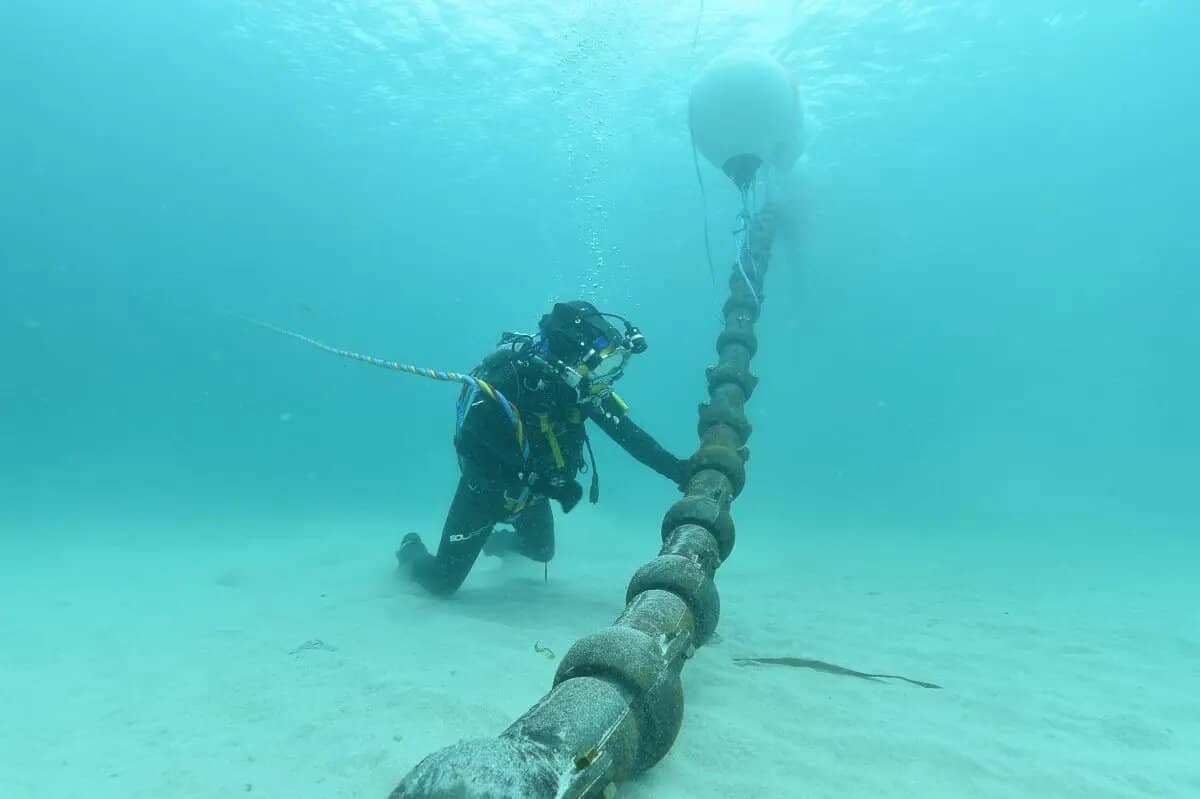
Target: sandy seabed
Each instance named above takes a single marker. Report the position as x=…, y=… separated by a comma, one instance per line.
x=275, y=660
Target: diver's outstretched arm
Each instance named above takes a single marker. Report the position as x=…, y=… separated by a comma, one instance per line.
x=641, y=445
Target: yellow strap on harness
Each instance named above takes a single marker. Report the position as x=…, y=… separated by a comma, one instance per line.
x=548, y=430
x=575, y=417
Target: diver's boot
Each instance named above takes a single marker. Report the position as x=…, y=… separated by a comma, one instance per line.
x=501, y=542
x=410, y=547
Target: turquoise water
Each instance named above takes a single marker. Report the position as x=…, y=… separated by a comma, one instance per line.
x=990, y=315
x=985, y=324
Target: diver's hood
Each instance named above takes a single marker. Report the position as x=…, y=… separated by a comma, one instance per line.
x=572, y=330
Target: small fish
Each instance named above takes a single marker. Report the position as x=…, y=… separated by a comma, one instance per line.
x=830, y=668
x=544, y=651
x=313, y=645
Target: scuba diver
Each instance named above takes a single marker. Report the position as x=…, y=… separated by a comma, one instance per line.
x=523, y=448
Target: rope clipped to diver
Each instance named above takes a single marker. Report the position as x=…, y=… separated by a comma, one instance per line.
x=473, y=383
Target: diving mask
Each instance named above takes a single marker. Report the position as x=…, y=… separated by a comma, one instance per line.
x=605, y=365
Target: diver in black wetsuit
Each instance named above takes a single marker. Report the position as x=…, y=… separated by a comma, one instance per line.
x=557, y=380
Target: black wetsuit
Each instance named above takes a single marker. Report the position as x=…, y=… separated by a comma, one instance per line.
x=494, y=473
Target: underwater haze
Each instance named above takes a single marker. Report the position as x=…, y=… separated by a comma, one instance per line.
x=975, y=448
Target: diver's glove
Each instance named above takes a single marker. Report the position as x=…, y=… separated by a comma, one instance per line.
x=681, y=473
x=570, y=495
x=568, y=492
